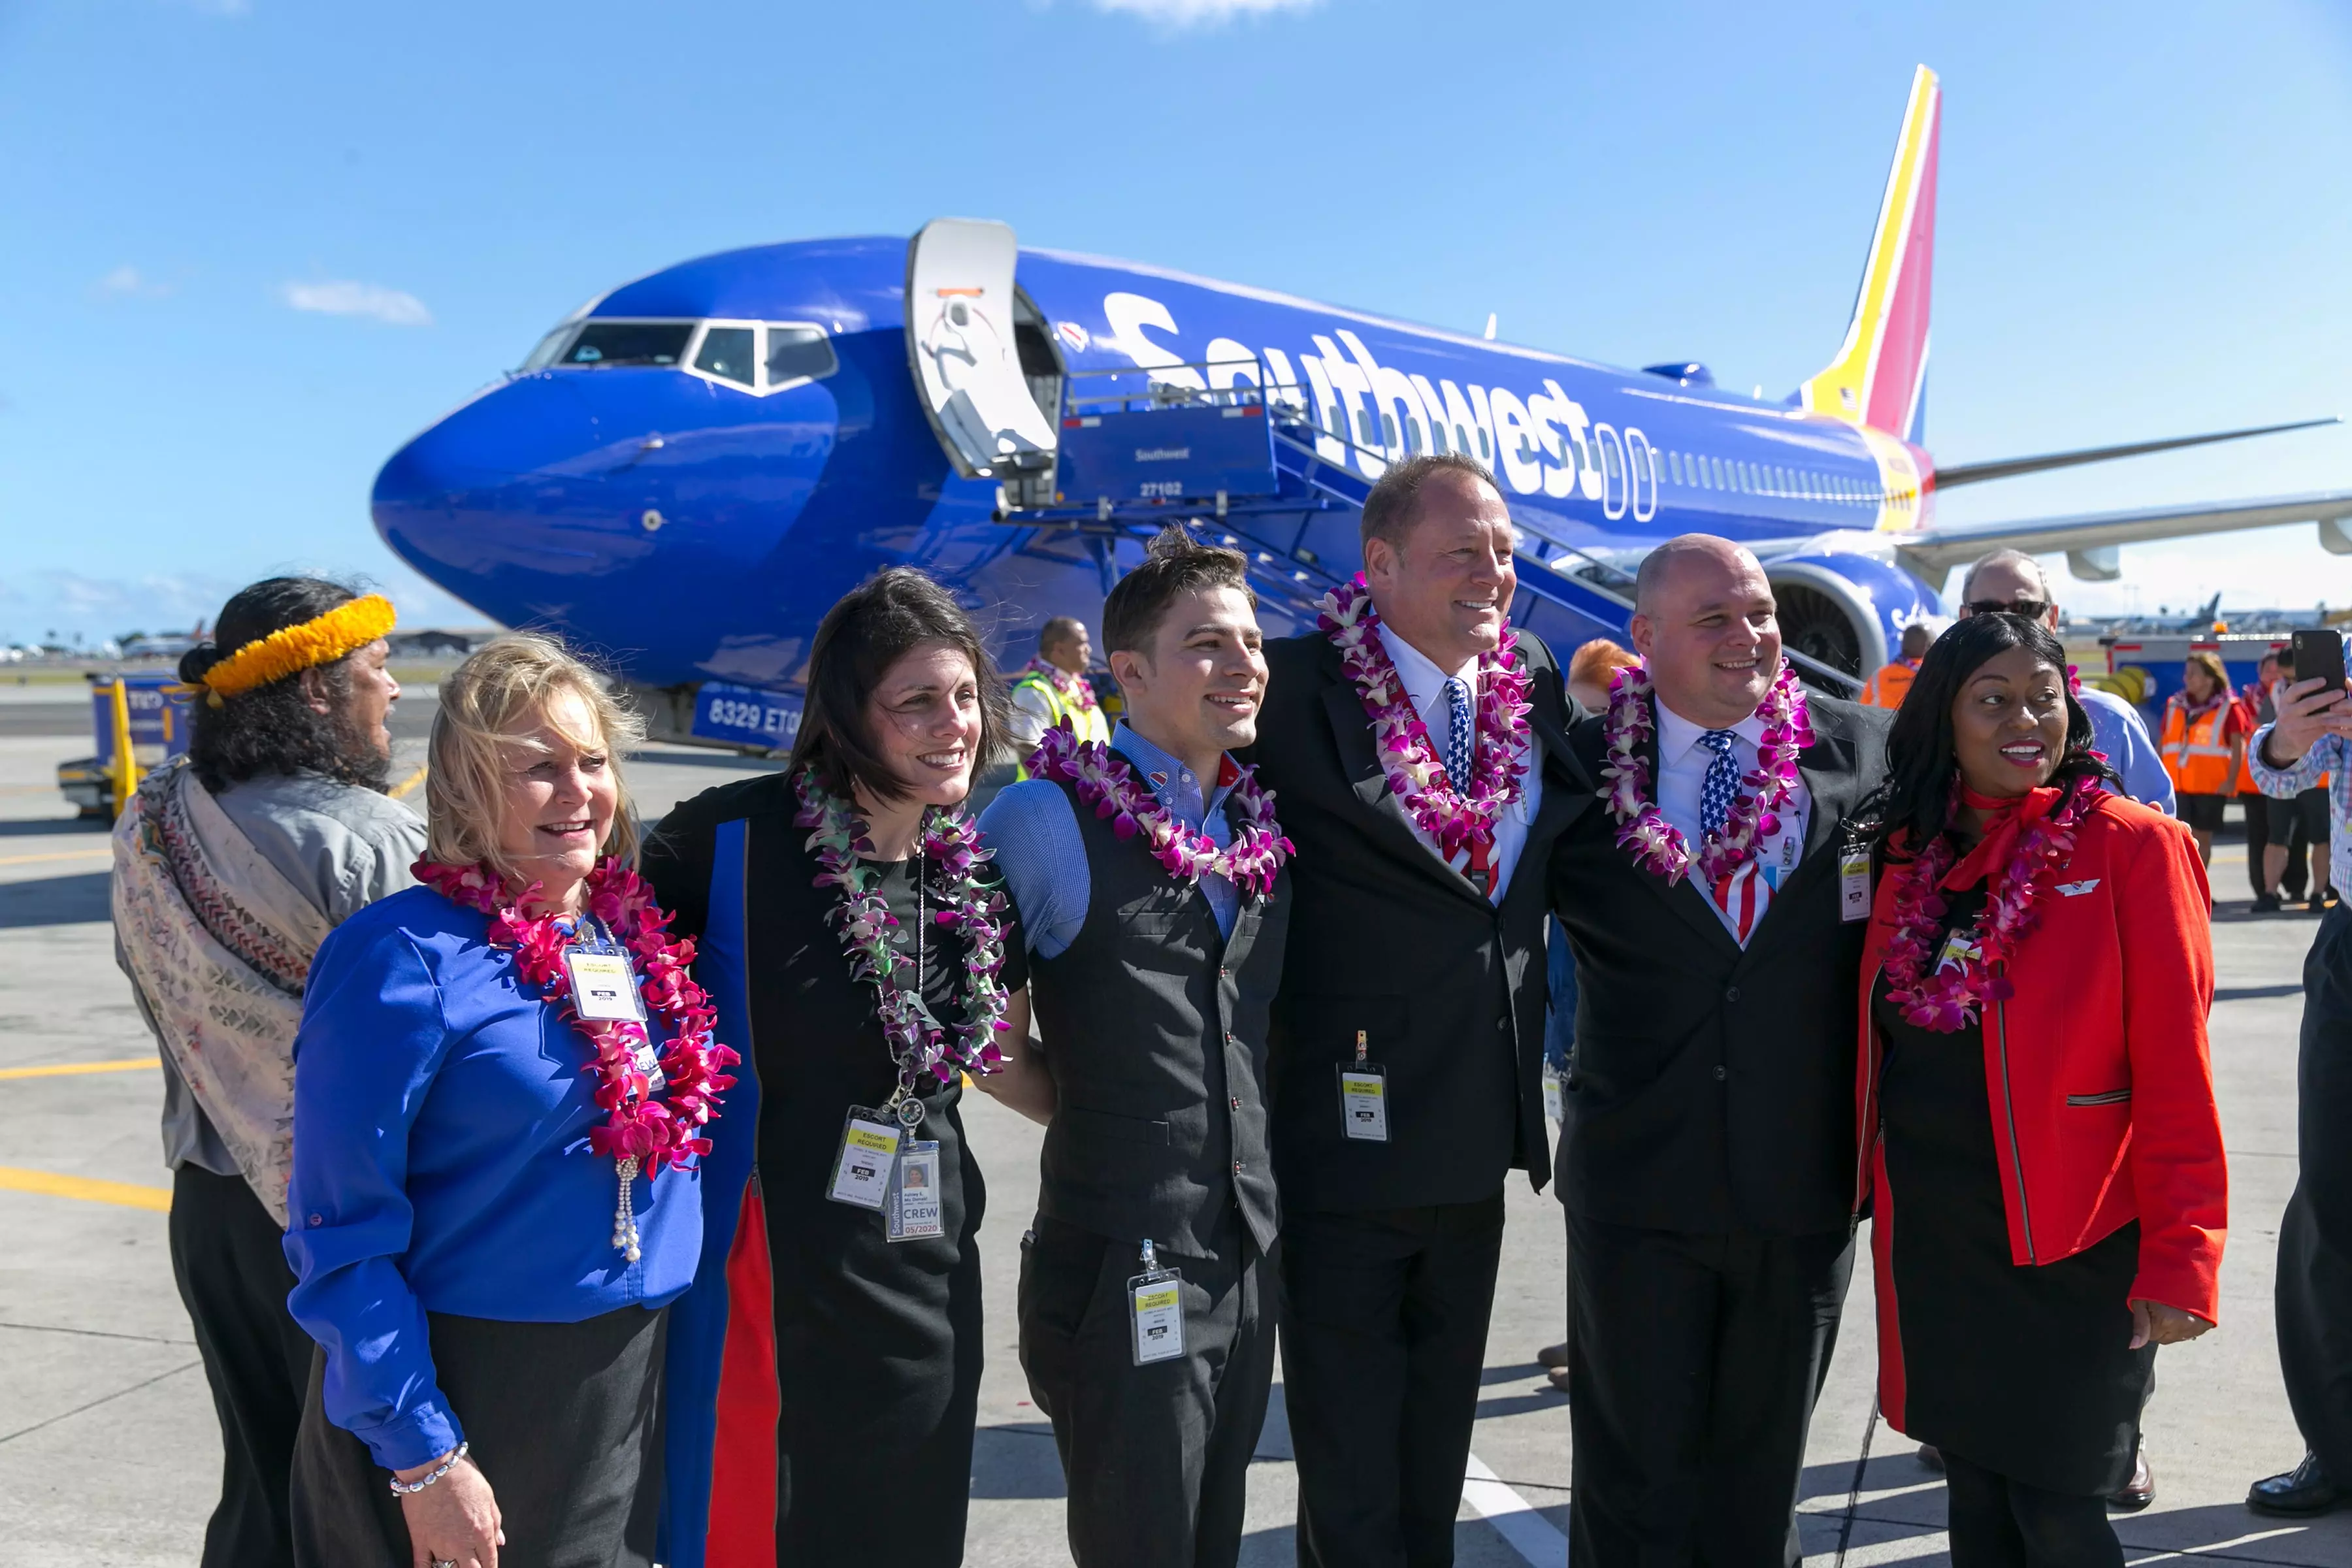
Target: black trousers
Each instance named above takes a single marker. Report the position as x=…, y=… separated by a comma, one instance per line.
x=2258, y=837
x=1157, y=1458
x=2314, y=1292
x=233, y=1280
x=1696, y=1362
x=1997, y=1523
x=1384, y=1318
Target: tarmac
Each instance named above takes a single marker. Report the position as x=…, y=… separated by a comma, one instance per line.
x=109, y=1452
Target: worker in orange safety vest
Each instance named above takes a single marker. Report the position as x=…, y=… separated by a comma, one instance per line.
x=1885, y=688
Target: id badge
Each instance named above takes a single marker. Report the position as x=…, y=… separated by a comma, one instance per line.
x=1854, y=885
x=1960, y=949
x=1553, y=1108
x=1364, y=1102
x=603, y=991
x=869, y=1148
x=1156, y=1311
x=914, y=1208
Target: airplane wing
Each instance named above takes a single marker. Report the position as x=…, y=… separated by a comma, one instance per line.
x=2090, y=538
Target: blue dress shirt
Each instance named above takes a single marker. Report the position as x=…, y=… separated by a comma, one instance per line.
x=1035, y=837
x=2125, y=738
x=441, y=1164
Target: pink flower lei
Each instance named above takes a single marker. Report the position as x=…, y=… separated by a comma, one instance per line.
x=1074, y=689
x=641, y=1128
x=1455, y=812
x=1948, y=1000
x=1109, y=785
x=1655, y=844
x=919, y=1046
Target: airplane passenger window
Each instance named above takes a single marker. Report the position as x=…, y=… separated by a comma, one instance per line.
x=608, y=343
x=1411, y=433
x=1363, y=427
x=1483, y=456
x=1388, y=428
x=799, y=353
x=726, y=354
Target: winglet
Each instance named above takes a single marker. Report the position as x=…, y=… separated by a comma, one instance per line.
x=1879, y=378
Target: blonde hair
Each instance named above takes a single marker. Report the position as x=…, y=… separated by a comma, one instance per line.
x=2206, y=659
x=488, y=705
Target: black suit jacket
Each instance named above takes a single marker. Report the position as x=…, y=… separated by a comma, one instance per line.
x=1448, y=987
x=1711, y=1088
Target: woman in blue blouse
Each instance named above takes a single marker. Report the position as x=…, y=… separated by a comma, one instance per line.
x=497, y=1076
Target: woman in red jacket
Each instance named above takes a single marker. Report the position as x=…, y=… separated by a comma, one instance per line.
x=2042, y=1155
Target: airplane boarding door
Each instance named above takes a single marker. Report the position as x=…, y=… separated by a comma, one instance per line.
x=960, y=342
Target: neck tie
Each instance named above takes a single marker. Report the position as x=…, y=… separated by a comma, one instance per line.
x=1722, y=782
x=1457, y=743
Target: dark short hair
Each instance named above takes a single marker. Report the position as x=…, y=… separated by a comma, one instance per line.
x=1174, y=565
x=273, y=729
x=872, y=628
x=1916, y=639
x=1059, y=629
x=1920, y=762
x=1394, y=504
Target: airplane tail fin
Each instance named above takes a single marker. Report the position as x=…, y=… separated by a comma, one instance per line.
x=1879, y=378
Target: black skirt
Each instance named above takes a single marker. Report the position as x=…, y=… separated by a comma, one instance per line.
x=563, y=1420
x=2023, y=1370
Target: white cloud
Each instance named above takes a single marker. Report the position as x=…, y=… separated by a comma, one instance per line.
x=1200, y=12
x=128, y=282
x=390, y=306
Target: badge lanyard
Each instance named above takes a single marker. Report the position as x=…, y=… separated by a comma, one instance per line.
x=1854, y=881
x=604, y=991
x=1363, y=1097
x=1155, y=1310
x=866, y=1168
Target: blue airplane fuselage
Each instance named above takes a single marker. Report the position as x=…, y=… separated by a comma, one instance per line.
x=693, y=530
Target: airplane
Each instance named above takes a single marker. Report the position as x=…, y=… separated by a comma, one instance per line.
x=690, y=469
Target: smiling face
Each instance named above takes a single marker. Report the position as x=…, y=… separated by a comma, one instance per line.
x=557, y=796
x=1072, y=654
x=2009, y=723
x=1708, y=631
x=923, y=721
x=1196, y=694
x=1445, y=584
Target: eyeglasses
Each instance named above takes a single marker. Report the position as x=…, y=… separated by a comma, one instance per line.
x=2032, y=609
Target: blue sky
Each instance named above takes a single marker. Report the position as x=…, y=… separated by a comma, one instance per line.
x=256, y=244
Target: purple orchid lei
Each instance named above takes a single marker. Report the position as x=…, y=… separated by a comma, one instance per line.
x=1109, y=785
x=1656, y=845
x=1948, y=1000
x=1442, y=807
x=919, y=1045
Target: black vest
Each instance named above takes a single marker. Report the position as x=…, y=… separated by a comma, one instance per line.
x=1155, y=1031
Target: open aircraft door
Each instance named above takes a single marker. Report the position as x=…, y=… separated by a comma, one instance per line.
x=961, y=314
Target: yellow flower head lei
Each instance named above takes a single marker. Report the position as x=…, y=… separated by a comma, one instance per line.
x=295, y=648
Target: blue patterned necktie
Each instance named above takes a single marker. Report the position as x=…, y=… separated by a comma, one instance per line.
x=1722, y=782
x=1457, y=740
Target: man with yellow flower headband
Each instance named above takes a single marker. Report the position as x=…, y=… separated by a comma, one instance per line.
x=229, y=870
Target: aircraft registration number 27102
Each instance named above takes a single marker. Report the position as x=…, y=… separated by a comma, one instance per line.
x=1169, y=488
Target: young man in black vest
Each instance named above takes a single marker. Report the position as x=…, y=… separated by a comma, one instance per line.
x=1424, y=770
x=1148, y=876
x=1707, y=1148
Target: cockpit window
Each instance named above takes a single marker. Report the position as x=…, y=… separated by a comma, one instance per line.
x=798, y=353
x=728, y=354
x=549, y=348
x=608, y=343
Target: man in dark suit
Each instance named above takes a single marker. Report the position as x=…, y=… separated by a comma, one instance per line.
x=1707, y=1151
x=1408, y=1034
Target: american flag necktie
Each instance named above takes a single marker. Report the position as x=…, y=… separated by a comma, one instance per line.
x=1722, y=782
x=1458, y=736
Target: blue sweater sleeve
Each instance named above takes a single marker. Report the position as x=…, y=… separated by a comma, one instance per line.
x=1030, y=827
x=372, y=1038
x=2131, y=751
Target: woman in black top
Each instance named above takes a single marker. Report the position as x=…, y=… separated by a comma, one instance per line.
x=824, y=1372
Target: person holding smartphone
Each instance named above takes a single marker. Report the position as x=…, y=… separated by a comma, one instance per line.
x=2312, y=735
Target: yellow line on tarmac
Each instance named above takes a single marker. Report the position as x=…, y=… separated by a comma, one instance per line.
x=66, y=1069
x=64, y=854
x=401, y=789
x=88, y=1189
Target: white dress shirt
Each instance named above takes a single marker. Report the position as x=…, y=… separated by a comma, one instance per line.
x=1683, y=761
x=1424, y=685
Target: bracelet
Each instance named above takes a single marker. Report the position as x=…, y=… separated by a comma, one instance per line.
x=410, y=1489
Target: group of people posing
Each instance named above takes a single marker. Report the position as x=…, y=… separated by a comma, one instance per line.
x=620, y=1194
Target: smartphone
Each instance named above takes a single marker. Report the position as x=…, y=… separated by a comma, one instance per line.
x=2319, y=651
